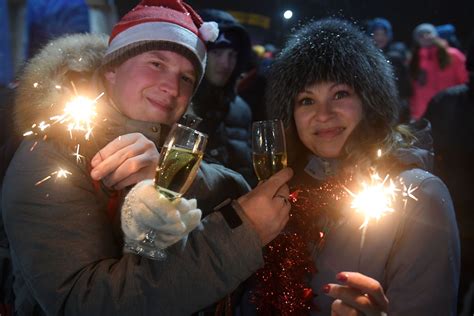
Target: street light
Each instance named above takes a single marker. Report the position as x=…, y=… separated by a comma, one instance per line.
x=288, y=14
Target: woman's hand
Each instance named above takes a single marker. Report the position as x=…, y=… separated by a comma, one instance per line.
x=359, y=295
x=126, y=160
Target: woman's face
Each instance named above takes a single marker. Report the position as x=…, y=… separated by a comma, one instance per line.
x=325, y=115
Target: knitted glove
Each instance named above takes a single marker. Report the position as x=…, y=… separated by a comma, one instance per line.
x=146, y=209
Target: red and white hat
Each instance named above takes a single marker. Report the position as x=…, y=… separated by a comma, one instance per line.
x=161, y=25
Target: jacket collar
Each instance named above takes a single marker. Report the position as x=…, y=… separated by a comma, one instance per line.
x=116, y=124
x=321, y=168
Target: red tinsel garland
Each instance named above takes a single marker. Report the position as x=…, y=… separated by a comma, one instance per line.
x=283, y=283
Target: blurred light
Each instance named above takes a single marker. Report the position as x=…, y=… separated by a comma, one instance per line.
x=288, y=14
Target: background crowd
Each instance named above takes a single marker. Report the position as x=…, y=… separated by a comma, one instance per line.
x=434, y=79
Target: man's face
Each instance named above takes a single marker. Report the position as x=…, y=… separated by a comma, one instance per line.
x=155, y=86
x=220, y=65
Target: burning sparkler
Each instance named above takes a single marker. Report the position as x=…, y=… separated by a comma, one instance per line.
x=78, y=115
x=377, y=198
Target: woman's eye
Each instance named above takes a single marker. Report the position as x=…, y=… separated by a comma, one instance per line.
x=341, y=94
x=156, y=64
x=306, y=101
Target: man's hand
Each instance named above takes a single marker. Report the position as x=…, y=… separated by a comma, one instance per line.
x=126, y=160
x=360, y=295
x=145, y=209
x=267, y=205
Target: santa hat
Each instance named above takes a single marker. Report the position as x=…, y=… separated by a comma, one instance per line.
x=161, y=25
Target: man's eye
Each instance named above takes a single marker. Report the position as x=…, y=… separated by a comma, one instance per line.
x=341, y=94
x=188, y=80
x=156, y=64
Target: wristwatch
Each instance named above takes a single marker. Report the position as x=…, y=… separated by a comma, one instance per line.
x=229, y=213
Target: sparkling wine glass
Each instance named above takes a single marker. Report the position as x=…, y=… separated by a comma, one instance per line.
x=268, y=148
x=178, y=165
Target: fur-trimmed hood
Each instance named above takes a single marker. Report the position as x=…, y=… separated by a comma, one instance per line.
x=51, y=77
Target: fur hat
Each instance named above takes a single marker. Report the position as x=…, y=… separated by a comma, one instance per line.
x=161, y=24
x=332, y=50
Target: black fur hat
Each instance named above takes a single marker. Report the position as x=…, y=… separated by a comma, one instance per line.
x=333, y=50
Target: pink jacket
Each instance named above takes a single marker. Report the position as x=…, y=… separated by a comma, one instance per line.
x=434, y=78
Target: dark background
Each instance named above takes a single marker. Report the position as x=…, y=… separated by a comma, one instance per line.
x=403, y=14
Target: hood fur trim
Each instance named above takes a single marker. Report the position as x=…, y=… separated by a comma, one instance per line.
x=45, y=85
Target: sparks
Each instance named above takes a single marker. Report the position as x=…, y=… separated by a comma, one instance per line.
x=375, y=199
x=78, y=156
x=407, y=194
x=61, y=173
x=78, y=115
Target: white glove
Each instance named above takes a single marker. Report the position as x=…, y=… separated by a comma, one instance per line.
x=145, y=209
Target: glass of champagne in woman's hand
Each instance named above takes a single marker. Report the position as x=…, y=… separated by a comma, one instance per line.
x=268, y=148
x=178, y=165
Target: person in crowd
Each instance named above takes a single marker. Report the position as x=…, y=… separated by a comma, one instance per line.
x=8, y=143
x=252, y=86
x=450, y=113
x=46, y=20
x=64, y=232
x=434, y=67
x=227, y=118
x=337, y=97
x=447, y=32
x=397, y=53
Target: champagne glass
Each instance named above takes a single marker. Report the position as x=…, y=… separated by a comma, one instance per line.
x=179, y=160
x=268, y=148
x=178, y=165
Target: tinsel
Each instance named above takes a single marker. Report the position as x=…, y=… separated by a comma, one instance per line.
x=282, y=285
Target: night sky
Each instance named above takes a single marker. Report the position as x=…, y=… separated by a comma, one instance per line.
x=404, y=14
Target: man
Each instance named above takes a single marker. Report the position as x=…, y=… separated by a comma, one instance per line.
x=227, y=118
x=397, y=53
x=451, y=115
x=65, y=241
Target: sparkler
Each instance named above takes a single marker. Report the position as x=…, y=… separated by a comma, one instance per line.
x=377, y=198
x=78, y=115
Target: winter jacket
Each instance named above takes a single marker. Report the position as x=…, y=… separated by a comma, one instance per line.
x=413, y=252
x=451, y=114
x=397, y=53
x=65, y=239
x=228, y=127
x=432, y=79
x=9, y=141
x=227, y=118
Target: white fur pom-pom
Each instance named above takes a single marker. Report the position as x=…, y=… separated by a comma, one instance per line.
x=209, y=31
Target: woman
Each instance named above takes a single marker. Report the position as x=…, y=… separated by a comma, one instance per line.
x=336, y=95
x=434, y=67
